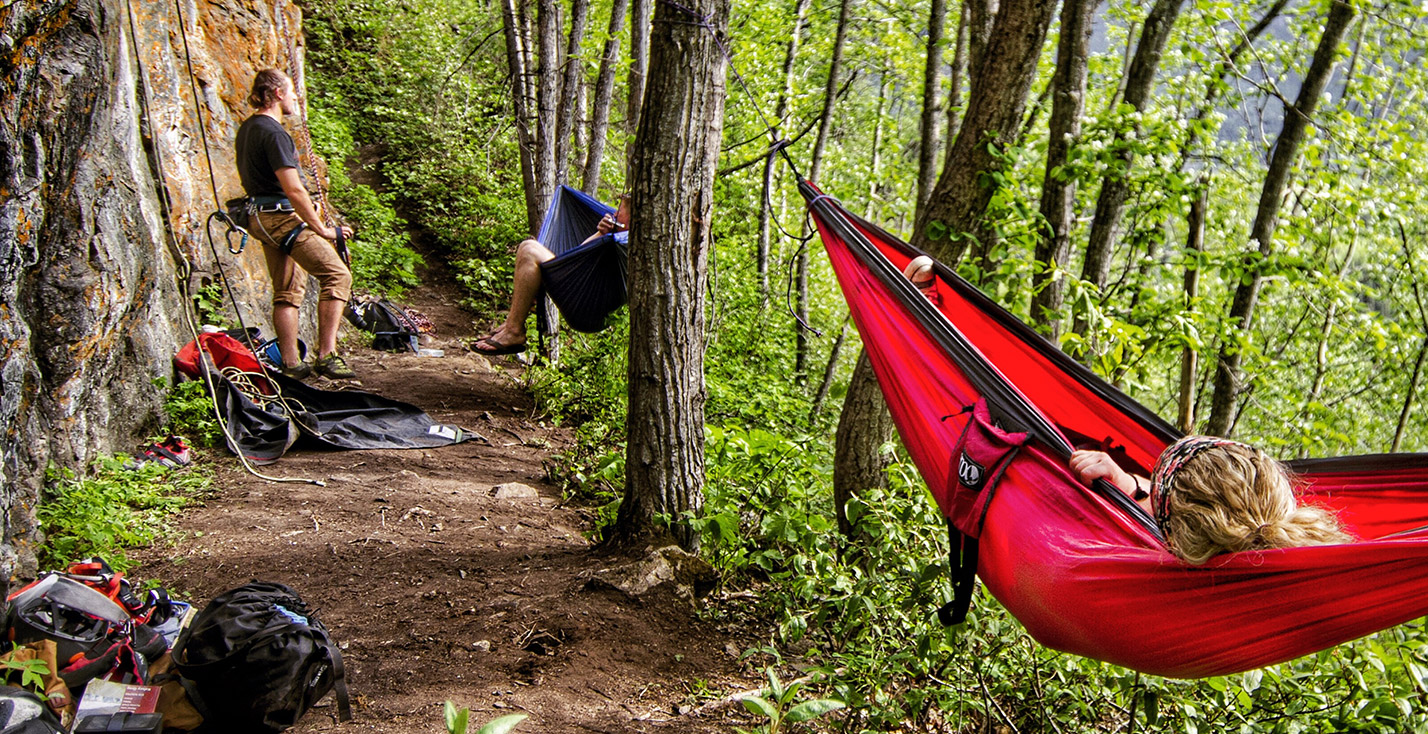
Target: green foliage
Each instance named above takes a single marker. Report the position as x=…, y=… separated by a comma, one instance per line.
x=31, y=673
x=209, y=304
x=382, y=258
x=392, y=84
x=111, y=508
x=777, y=706
x=1328, y=359
x=457, y=719
x=189, y=412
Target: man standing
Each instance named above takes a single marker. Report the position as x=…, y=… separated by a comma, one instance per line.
x=287, y=224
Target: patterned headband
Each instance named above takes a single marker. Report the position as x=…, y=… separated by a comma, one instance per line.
x=1171, y=461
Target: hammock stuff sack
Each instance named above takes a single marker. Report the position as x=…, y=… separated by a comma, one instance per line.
x=586, y=281
x=268, y=413
x=1085, y=569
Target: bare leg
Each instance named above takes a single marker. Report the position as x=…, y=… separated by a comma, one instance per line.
x=529, y=256
x=285, y=322
x=329, y=317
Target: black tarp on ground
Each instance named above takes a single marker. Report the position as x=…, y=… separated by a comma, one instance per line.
x=335, y=419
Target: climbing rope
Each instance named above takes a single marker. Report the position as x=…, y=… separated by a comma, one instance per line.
x=185, y=267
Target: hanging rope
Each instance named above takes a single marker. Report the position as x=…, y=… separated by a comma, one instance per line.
x=185, y=267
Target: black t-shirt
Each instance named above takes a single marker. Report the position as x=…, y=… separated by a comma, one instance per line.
x=262, y=147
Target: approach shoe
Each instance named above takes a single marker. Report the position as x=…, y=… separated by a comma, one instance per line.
x=333, y=368
x=299, y=371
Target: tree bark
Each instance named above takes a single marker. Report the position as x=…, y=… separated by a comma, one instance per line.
x=570, y=89
x=954, y=91
x=875, y=165
x=675, y=155
x=1110, y=204
x=1227, y=386
x=604, y=96
x=931, y=82
x=863, y=427
x=1058, y=195
x=1189, y=358
x=639, y=61
x=800, y=12
x=548, y=100
x=516, y=56
x=999, y=87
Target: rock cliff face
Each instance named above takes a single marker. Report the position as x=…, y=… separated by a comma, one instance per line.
x=97, y=124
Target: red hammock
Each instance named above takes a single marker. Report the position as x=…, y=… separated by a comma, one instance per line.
x=1085, y=570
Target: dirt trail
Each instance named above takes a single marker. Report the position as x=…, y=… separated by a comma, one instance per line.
x=436, y=589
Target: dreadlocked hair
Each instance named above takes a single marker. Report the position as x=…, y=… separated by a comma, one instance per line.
x=267, y=87
x=1234, y=498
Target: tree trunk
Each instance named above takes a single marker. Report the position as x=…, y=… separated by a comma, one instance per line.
x=931, y=82
x=1189, y=358
x=954, y=91
x=1286, y=149
x=1058, y=195
x=570, y=89
x=1140, y=81
x=800, y=12
x=673, y=162
x=548, y=100
x=604, y=96
x=825, y=126
x=980, y=16
x=639, y=61
x=875, y=165
x=516, y=57
x=863, y=427
x=999, y=86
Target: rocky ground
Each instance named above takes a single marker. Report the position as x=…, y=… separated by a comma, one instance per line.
x=459, y=574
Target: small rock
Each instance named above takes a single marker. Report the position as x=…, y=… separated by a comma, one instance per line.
x=482, y=645
x=514, y=491
x=731, y=650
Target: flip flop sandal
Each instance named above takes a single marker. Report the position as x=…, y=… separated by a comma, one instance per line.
x=496, y=348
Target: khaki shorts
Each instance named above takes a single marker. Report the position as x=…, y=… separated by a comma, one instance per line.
x=311, y=253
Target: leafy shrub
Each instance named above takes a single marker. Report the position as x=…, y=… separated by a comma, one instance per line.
x=189, y=413
x=112, y=508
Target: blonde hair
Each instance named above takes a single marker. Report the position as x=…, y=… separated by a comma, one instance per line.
x=1234, y=497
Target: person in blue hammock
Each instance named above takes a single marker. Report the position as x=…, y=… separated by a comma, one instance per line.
x=511, y=337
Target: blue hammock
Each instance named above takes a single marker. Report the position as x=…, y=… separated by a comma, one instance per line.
x=587, y=282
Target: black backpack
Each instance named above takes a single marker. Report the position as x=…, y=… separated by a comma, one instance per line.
x=256, y=658
x=393, y=330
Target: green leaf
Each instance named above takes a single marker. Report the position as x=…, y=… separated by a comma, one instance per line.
x=809, y=710
x=456, y=720
x=502, y=725
x=757, y=705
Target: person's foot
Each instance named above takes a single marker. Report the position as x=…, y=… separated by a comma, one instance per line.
x=333, y=368
x=299, y=371
x=490, y=347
